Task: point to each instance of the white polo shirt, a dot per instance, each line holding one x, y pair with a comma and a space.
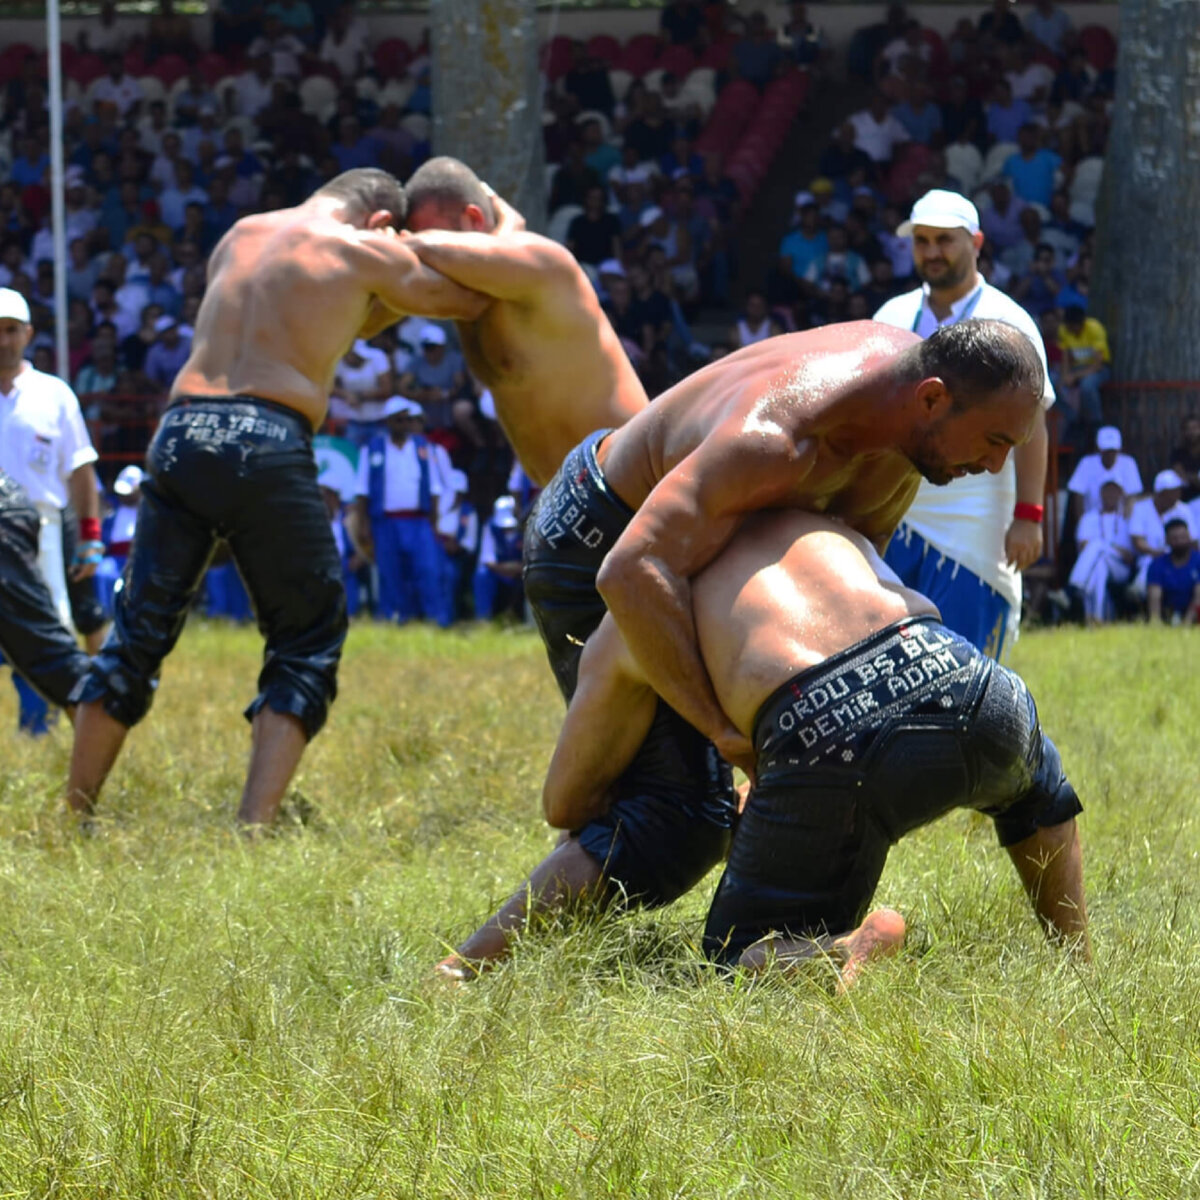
967, 519
1091, 474
401, 475
43, 438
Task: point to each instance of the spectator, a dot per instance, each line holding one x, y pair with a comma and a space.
621, 314
398, 494
573, 179
174, 200
755, 324
921, 118
1029, 79
169, 32
165, 358
497, 582
1148, 522
1006, 114
117, 533
1074, 293
587, 80
105, 308
98, 376
102, 33
716, 194
1107, 465
1049, 26
117, 91
1033, 168
651, 134
362, 386
1037, 289
838, 262
1173, 579
30, 167
806, 244
344, 46
842, 157
876, 131
136, 346
631, 170
1063, 233
296, 17
599, 154
1085, 349
281, 48
674, 239
896, 247
1076, 81
830, 307
436, 379
883, 286
351, 149
806, 40
169, 156
595, 234
899, 55
963, 118
252, 90
1106, 554
1001, 24
757, 56
1001, 222
1185, 458
681, 22
650, 310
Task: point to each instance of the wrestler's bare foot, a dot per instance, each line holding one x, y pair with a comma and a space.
454, 971
879, 936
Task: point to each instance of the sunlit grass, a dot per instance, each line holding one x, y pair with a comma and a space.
183, 1014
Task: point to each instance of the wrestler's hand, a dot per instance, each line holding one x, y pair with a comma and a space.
508, 220
737, 751
87, 559
1023, 544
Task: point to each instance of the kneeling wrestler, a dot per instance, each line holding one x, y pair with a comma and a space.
869, 719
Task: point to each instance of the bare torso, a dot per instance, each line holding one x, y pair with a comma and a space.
285, 300
782, 383
788, 592
555, 368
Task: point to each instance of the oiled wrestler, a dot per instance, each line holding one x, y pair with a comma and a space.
288, 293
869, 719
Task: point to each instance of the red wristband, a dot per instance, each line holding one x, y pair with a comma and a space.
89, 529
1029, 512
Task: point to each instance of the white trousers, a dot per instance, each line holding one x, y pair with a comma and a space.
50, 559
1098, 563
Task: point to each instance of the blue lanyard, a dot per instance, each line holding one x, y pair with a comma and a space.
966, 312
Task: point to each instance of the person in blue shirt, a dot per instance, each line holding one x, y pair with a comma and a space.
919, 115
1033, 168
1173, 581
498, 575
805, 244
1005, 116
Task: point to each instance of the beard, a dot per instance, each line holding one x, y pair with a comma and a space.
946, 275
933, 465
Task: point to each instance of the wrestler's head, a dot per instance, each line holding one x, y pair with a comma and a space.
444, 193
370, 198
978, 391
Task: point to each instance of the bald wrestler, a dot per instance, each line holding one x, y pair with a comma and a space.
869, 718
544, 348
288, 293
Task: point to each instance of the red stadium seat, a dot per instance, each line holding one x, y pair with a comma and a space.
170, 68
605, 47
214, 66
717, 55
555, 58
677, 60
392, 55
86, 69
639, 55
1099, 45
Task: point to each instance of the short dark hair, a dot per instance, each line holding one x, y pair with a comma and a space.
367, 190
448, 183
1173, 522
1074, 314
976, 358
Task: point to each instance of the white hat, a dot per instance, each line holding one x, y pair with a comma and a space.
611, 266
942, 210
459, 481
165, 322
129, 480
504, 513
804, 199
1108, 437
73, 176
433, 335
403, 407
13, 306
649, 216
1164, 481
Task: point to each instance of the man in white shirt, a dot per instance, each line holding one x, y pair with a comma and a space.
1093, 471
458, 536
1106, 553
1148, 521
45, 450
362, 386
117, 89
965, 545
252, 90
396, 512
876, 132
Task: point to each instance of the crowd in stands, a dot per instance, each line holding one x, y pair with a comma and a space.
655, 149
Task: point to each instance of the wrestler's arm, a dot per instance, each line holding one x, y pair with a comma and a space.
513, 267
1023, 541
400, 281
607, 722
682, 526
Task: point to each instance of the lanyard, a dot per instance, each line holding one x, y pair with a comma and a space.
966, 312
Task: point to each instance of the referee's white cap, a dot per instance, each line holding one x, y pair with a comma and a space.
940, 209
13, 306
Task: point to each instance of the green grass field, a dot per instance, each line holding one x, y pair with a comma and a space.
184, 1014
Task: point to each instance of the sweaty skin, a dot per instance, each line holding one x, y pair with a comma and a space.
288, 293
544, 348
820, 421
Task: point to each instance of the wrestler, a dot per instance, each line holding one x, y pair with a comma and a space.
544, 349
32, 638
288, 293
869, 719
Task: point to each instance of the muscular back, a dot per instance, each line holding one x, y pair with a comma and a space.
791, 590
555, 367
794, 387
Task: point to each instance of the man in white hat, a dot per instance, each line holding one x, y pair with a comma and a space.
1149, 519
965, 545
1093, 471
498, 575
546, 351
396, 512
288, 292
118, 532
46, 452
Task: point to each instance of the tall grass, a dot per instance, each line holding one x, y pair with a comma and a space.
183, 1014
